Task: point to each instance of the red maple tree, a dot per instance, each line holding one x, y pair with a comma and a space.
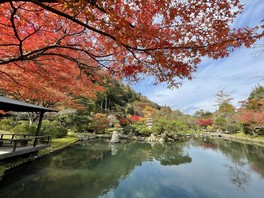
165, 39
251, 118
204, 122
134, 118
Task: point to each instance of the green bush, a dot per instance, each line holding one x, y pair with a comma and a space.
129, 129
233, 128
77, 122
260, 131
246, 129
169, 126
23, 127
111, 130
6, 124
144, 131
53, 129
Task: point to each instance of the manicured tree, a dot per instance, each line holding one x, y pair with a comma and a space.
99, 123
134, 118
205, 122
251, 120
256, 99
251, 114
123, 121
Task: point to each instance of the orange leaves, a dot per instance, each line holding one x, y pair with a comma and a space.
251, 117
165, 39
48, 85
205, 122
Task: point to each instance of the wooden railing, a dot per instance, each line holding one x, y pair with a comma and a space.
23, 140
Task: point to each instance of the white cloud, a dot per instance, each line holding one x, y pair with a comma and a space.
237, 74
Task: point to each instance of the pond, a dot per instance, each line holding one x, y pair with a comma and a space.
195, 168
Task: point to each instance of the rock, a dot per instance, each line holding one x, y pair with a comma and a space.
82, 138
85, 137
115, 137
161, 140
152, 138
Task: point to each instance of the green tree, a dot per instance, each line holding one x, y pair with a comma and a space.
256, 98
224, 115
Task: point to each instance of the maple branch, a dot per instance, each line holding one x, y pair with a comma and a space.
6, 74
79, 64
7, 45
14, 28
73, 19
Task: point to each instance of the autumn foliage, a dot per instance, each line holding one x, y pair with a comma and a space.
134, 118
47, 85
205, 122
165, 39
255, 118
123, 121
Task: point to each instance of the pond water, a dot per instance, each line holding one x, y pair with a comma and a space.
195, 168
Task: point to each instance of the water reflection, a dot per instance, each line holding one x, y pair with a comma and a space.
245, 158
196, 168
95, 166
238, 176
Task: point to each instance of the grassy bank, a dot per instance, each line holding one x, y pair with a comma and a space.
56, 145
243, 138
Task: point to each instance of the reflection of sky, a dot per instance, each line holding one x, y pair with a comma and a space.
207, 176
237, 74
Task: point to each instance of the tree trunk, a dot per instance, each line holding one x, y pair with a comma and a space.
105, 103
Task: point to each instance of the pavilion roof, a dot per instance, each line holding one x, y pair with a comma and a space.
7, 104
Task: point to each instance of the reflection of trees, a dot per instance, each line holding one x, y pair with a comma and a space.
170, 154
241, 155
89, 167
238, 177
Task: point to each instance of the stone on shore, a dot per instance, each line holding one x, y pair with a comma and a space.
115, 137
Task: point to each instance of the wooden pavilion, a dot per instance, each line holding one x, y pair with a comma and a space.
12, 145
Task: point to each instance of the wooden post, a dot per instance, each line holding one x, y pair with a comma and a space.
39, 127
15, 145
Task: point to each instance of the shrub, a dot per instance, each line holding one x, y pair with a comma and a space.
78, 122
169, 126
99, 123
134, 118
204, 122
144, 131
111, 130
5, 124
246, 129
233, 128
129, 129
53, 129
113, 121
23, 127
260, 130
123, 121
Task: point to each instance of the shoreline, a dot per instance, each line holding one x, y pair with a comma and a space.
62, 143
59, 144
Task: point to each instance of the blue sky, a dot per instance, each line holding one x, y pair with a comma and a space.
238, 74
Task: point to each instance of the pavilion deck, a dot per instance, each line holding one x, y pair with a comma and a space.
17, 146
12, 145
